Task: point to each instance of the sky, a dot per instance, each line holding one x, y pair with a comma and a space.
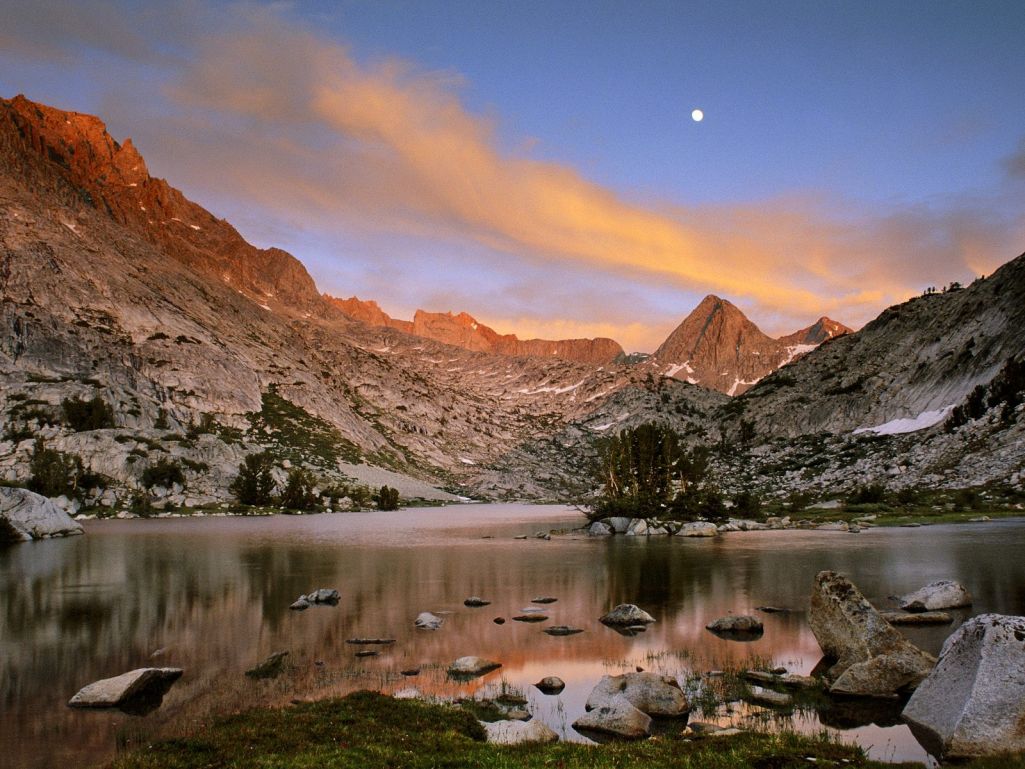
536, 164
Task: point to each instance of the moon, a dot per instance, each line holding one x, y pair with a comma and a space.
697, 116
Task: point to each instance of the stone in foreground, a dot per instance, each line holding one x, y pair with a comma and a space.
270, 667
973, 703
25, 515
872, 659
427, 621
618, 718
519, 732
650, 693
471, 667
944, 594
625, 615
138, 691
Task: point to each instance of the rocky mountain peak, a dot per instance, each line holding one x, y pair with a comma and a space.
719, 347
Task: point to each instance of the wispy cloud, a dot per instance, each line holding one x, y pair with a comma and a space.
267, 111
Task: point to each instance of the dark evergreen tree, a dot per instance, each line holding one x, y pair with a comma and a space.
254, 484
298, 493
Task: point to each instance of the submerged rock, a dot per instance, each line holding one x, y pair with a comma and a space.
650, 693
944, 594
618, 718
427, 621
737, 627
25, 515
475, 602
921, 618
300, 604
471, 667
137, 692
270, 667
530, 618
973, 703
627, 614
871, 657
324, 595
519, 732
562, 630
543, 599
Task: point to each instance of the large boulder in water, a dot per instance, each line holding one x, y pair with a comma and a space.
137, 692
871, 658
973, 703
472, 667
616, 717
25, 515
944, 594
648, 692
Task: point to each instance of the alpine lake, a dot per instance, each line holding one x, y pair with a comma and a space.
211, 595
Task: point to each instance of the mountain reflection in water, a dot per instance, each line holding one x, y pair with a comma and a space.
211, 596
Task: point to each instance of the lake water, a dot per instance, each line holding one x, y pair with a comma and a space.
211, 595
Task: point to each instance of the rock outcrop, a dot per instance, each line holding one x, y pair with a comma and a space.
25, 515
973, 703
872, 659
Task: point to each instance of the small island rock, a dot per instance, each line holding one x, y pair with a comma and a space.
627, 614
944, 594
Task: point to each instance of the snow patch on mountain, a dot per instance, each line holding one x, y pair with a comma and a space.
908, 424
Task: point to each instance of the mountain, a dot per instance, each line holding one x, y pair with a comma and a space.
718, 347
114, 286
463, 330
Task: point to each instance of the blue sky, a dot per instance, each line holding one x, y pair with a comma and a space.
535, 164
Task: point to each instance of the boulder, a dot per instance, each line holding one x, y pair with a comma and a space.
138, 691
626, 615
519, 732
619, 524
768, 697
650, 693
300, 604
471, 667
973, 703
698, 529
25, 515
270, 667
324, 595
871, 657
944, 594
427, 621
550, 685
736, 624
599, 529
638, 528
618, 718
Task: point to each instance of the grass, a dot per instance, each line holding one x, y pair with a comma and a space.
299, 435
367, 730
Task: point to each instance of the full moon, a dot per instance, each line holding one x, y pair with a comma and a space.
697, 116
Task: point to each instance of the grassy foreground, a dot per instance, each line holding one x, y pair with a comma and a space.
366, 730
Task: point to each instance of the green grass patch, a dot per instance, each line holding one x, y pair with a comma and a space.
299, 435
367, 730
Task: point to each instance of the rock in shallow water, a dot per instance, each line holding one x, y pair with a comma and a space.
626, 614
137, 692
562, 630
742, 624
550, 685
270, 667
921, 618
471, 667
427, 621
973, 703
871, 658
25, 515
944, 594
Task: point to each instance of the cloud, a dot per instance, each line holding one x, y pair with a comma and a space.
1014, 163
261, 113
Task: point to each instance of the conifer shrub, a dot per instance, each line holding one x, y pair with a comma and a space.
254, 484
81, 415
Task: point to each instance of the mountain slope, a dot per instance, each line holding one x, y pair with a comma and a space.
716, 346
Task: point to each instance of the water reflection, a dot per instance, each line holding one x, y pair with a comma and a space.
212, 596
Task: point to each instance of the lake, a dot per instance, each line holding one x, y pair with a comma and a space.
211, 595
